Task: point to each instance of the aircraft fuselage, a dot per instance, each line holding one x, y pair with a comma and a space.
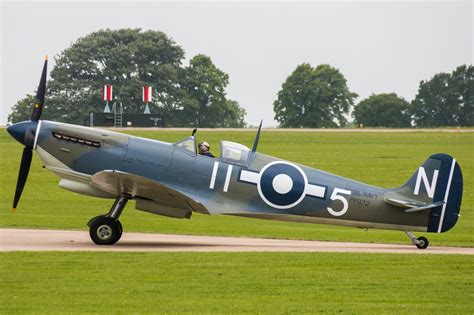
261, 186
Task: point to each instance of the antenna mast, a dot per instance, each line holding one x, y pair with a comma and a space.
257, 137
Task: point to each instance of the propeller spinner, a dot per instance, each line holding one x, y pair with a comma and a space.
24, 132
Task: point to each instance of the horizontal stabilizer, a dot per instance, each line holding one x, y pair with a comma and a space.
429, 206
403, 203
413, 206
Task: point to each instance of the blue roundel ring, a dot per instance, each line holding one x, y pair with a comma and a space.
295, 185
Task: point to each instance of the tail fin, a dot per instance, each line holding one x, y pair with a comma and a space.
435, 186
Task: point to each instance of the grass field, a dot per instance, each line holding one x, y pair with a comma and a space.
384, 159
80, 282
235, 283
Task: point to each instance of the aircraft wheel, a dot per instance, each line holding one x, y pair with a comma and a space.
105, 230
423, 242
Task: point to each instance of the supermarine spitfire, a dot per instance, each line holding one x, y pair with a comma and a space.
171, 179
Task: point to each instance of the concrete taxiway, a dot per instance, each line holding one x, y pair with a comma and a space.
59, 240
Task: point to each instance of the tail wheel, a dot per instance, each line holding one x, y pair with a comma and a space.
422, 242
105, 230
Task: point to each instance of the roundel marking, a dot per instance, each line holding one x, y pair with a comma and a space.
282, 185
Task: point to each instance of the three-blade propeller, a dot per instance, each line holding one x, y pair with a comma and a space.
29, 137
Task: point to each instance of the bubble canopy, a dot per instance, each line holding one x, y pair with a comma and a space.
234, 153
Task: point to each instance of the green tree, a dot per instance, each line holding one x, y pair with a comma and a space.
383, 110
313, 98
22, 109
446, 99
206, 104
233, 116
129, 59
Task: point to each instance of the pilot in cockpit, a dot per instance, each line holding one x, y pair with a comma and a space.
204, 147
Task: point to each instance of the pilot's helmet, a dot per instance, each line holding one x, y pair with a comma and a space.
204, 146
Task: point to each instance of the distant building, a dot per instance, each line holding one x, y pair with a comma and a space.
123, 120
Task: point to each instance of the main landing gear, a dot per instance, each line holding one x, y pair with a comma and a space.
420, 242
107, 229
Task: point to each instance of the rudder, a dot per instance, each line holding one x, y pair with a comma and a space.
449, 190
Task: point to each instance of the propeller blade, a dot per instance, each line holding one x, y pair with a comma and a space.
22, 175
39, 102
18, 131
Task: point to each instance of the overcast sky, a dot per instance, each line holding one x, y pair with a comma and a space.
387, 46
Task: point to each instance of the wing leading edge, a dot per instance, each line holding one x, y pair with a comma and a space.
151, 195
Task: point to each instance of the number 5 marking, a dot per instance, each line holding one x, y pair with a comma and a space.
345, 204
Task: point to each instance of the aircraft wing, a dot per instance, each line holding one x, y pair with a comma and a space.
151, 195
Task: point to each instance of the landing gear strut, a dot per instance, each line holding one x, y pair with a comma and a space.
107, 229
420, 242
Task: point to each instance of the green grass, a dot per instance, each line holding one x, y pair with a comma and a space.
80, 282
84, 282
383, 159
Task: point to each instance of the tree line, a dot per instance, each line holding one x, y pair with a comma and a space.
194, 95
319, 97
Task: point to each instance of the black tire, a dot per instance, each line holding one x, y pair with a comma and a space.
423, 242
105, 230
120, 226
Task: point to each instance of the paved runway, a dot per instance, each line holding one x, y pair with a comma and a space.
58, 240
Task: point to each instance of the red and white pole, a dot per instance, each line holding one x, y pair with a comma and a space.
107, 94
147, 97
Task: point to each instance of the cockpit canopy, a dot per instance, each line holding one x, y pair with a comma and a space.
188, 144
234, 153
231, 152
